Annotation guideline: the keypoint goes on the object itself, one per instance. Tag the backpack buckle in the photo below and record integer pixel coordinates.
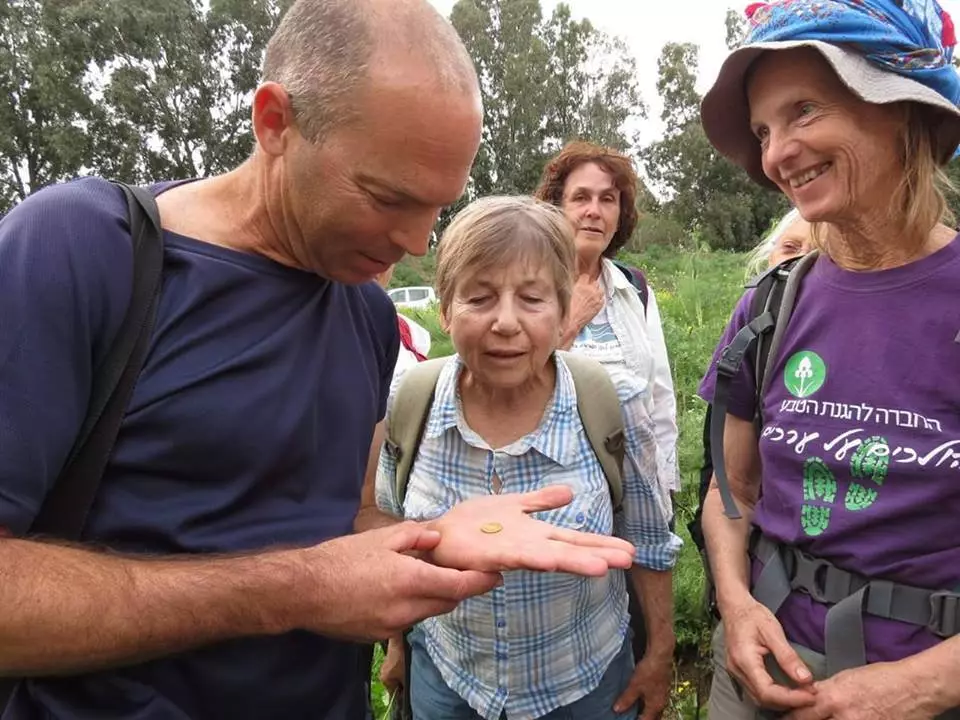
(810, 576)
(944, 614)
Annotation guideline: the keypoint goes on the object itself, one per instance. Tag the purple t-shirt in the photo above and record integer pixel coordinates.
(860, 446)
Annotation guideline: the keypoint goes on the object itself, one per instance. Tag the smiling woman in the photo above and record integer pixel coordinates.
(849, 108)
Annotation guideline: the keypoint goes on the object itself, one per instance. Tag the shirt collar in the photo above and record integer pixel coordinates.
(554, 437)
(613, 279)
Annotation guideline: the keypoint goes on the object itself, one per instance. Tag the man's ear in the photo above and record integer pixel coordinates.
(272, 118)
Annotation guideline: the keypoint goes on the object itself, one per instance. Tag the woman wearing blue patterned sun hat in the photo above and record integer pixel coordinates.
(837, 566)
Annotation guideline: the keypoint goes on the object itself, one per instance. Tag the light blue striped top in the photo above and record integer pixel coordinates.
(542, 640)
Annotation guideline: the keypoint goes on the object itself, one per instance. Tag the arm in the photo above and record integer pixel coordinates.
(934, 672)
(370, 517)
(655, 591)
(752, 631)
(664, 400)
(644, 522)
(727, 539)
(55, 621)
(54, 598)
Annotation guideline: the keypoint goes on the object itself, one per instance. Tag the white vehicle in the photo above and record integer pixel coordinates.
(412, 297)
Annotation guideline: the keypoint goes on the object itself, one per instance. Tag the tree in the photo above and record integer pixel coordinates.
(737, 28)
(708, 195)
(544, 82)
(179, 85)
(46, 50)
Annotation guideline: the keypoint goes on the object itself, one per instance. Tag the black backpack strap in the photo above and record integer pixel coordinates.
(637, 279)
(770, 312)
(64, 511)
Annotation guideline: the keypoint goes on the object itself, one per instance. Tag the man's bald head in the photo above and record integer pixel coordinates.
(326, 52)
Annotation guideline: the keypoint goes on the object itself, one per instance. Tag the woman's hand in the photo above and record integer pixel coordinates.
(393, 669)
(751, 632)
(496, 533)
(585, 302)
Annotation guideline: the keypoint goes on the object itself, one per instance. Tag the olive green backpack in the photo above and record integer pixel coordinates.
(597, 403)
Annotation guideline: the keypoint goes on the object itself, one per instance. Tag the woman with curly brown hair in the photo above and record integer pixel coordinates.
(613, 315)
(614, 319)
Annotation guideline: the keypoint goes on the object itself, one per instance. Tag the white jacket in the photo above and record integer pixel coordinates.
(640, 335)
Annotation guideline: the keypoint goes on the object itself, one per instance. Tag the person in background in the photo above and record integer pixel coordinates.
(414, 339)
(791, 237)
(596, 188)
(610, 318)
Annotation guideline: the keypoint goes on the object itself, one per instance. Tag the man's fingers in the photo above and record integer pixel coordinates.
(432, 581)
(410, 536)
(548, 498)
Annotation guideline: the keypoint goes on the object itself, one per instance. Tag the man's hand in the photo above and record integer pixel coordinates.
(882, 691)
(523, 543)
(368, 587)
(751, 632)
(651, 681)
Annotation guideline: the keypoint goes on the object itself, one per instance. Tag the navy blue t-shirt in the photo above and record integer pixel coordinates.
(249, 427)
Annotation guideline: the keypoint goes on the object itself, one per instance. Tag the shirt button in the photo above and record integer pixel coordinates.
(501, 656)
(501, 623)
(580, 517)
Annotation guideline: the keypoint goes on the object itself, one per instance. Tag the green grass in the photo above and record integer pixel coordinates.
(696, 292)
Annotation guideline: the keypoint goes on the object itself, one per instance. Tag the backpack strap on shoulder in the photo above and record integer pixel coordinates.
(785, 311)
(602, 418)
(65, 509)
(408, 416)
(636, 278)
(770, 311)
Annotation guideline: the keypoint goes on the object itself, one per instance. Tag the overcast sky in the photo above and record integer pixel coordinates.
(646, 25)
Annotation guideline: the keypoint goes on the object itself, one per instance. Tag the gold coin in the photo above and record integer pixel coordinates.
(491, 528)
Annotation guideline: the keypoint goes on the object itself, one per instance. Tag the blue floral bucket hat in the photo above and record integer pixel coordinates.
(884, 51)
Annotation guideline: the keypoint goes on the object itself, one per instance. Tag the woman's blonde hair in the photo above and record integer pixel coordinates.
(920, 199)
(497, 232)
(759, 257)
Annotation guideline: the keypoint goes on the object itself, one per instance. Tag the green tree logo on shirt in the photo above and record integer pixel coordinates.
(805, 373)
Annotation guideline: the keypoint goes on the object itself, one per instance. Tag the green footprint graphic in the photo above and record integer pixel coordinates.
(870, 462)
(819, 485)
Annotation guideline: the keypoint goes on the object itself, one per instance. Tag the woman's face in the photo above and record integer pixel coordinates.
(833, 155)
(591, 203)
(795, 240)
(505, 324)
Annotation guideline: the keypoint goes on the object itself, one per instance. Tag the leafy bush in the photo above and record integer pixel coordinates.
(658, 230)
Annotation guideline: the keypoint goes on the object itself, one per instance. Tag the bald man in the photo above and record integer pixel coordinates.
(219, 576)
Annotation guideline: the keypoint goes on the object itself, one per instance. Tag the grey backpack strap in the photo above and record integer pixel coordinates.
(790, 291)
(602, 418)
(408, 416)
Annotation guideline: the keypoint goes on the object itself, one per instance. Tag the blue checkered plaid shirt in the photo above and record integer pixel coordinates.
(542, 640)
